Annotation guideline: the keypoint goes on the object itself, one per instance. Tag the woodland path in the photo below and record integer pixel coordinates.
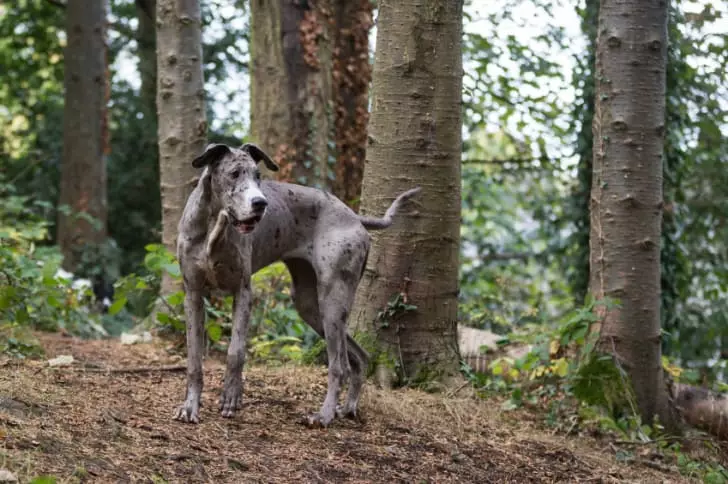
(84, 424)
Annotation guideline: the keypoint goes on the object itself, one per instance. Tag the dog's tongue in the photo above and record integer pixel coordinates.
(245, 228)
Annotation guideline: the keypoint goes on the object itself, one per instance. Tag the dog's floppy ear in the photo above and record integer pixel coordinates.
(213, 152)
(259, 155)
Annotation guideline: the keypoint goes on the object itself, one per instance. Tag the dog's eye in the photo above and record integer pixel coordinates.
(257, 175)
(235, 174)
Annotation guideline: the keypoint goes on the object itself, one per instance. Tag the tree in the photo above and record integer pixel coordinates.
(626, 195)
(146, 14)
(85, 130)
(578, 209)
(415, 139)
(351, 77)
(309, 87)
(291, 87)
(182, 122)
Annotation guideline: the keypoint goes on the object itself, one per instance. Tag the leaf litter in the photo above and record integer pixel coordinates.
(92, 422)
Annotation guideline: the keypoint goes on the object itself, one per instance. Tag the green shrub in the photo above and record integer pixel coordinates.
(276, 332)
(31, 296)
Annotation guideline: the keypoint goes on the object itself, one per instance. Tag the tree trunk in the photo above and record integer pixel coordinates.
(584, 115)
(291, 112)
(83, 171)
(415, 139)
(182, 128)
(147, 41)
(626, 196)
(351, 77)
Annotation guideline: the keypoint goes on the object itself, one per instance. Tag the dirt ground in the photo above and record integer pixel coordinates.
(83, 423)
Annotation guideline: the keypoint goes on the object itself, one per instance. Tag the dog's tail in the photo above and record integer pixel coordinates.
(373, 223)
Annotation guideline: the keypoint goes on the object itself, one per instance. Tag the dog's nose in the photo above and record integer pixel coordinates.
(259, 204)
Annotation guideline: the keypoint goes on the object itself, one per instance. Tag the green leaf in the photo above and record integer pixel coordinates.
(44, 480)
(175, 299)
(214, 332)
(172, 269)
(164, 318)
(118, 305)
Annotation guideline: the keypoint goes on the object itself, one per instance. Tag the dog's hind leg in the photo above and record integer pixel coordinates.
(305, 297)
(358, 360)
(335, 300)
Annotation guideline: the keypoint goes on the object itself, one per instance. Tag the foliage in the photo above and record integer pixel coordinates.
(579, 389)
(396, 306)
(695, 157)
(562, 364)
(32, 295)
(276, 332)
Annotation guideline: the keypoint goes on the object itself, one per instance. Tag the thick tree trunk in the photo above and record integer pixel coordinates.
(291, 112)
(415, 139)
(626, 196)
(83, 171)
(351, 77)
(182, 128)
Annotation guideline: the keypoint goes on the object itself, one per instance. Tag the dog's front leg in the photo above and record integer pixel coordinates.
(232, 392)
(195, 316)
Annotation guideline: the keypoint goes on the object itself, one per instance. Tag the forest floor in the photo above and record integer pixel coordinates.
(82, 423)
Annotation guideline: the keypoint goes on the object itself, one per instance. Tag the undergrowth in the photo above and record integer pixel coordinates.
(32, 294)
(276, 334)
(580, 390)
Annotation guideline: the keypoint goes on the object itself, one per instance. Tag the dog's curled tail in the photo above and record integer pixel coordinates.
(373, 223)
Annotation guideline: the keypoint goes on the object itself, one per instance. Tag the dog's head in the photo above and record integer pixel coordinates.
(234, 182)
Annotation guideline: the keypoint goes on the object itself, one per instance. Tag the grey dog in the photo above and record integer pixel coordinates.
(235, 224)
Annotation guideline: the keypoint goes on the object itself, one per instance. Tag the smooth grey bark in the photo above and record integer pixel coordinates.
(182, 126)
(415, 139)
(626, 195)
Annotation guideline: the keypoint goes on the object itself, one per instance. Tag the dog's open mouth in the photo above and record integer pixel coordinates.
(247, 225)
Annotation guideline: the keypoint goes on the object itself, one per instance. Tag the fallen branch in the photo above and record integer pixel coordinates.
(657, 466)
(136, 369)
(703, 409)
(635, 443)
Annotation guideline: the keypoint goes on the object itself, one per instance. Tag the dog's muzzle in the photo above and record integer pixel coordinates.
(248, 224)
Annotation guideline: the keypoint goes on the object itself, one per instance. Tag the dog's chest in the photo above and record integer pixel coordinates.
(227, 266)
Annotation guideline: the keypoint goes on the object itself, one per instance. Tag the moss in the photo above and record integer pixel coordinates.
(316, 355)
(378, 354)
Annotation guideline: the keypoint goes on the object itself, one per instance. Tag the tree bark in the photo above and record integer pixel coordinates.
(351, 76)
(584, 115)
(291, 112)
(147, 41)
(415, 139)
(182, 130)
(83, 170)
(626, 196)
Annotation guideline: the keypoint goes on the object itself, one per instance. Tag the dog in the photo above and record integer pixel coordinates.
(233, 225)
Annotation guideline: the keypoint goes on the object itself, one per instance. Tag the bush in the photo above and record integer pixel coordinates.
(276, 332)
(31, 296)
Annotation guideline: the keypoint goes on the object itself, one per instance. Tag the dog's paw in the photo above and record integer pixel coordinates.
(231, 399)
(343, 411)
(317, 421)
(189, 411)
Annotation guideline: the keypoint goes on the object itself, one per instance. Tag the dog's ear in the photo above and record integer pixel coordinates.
(213, 152)
(259, 155)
